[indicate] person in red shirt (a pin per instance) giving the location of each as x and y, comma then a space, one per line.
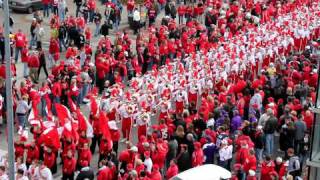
19, 149
267, 167
155, 174
20, 42
105, 148
56, 91
49, 159
24, 59
91, 7
115, 135
69, 166
53, 50
172, 170
46, 4
104, 172
34, 65
197, 155
32, 153
84, 155
130, 7
181, 13
68, 145
250, 162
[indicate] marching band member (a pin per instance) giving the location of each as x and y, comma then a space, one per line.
126, 114
165, 106
143, 121
181, 100
194, 91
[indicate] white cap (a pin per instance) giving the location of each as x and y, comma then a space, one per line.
259, 127
252, 172
210, 122
112, 125
315, 70
279, 160
134, 149
248, 15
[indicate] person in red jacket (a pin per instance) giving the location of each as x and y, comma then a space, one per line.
115, 135
69, 166
181, 13
102, 68
84, 155
130, 7
46, 4
19, 148
172, 170
20, 42
24, 59
34, 64
105, 148
53, 50
91, 7
155, 174
49, 159
32, 153
57, 90
104, 172
242, 153
267, 167
197, 155
68, 145
250, 162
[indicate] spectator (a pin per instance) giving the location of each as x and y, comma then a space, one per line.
20, 42
294, 163
300, 130
269, 129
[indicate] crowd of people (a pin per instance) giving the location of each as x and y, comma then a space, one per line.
211, 82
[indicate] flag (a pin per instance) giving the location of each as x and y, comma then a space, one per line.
103, 123
93, 106
63, 113
50, 138
73, 106
84, 124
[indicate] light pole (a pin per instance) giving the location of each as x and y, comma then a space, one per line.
8, 91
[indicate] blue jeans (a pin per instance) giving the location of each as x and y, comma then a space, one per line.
62, 42
18, 51
22, 120
46, 10
33, 41
61, 13
25, 69
91, 13
80, 96
97, 32
85, 90
259, 153
43, 107
269, 144
116, 24
56, 99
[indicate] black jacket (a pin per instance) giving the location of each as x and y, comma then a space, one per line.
105, 29
85, 174
184, 161
271, 125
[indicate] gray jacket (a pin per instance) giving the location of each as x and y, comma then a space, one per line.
300, 129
